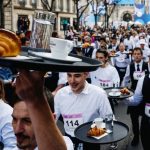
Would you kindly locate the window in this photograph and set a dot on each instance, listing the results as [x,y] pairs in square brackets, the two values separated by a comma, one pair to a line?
[22,2]
[23,23]
[34,3]
[60,5]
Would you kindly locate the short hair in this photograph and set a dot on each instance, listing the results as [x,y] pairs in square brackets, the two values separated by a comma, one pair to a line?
[137,49]
[23,40]
[48,94]
[55,34]
[105,53]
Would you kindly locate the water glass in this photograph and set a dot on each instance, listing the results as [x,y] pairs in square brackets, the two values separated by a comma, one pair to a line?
[109,122]
[42,28]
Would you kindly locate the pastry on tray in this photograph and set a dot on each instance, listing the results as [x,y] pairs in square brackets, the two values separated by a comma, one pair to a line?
[125,91]
[96,131]
[112,53]
[10,44]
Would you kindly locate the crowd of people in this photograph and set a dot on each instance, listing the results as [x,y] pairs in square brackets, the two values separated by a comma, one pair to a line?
[78,97]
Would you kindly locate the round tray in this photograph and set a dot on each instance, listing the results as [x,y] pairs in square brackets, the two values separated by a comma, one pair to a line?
[120,131]
[122,96]
[41,64]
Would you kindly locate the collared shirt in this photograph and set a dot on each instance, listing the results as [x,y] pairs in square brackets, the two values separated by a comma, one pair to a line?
[121,61]
[145,54]
[105,77]
[7,136]
[77,109]
[129,43]
[138,96]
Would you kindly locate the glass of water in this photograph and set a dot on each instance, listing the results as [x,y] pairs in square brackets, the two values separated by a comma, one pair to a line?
[42,28]
[109,123]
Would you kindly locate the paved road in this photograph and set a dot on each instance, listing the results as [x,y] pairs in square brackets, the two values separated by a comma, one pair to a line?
[121,115]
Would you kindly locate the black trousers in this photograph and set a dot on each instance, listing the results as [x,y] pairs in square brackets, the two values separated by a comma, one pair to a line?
[121,72]
[145,132]
[135,123]
[86,146]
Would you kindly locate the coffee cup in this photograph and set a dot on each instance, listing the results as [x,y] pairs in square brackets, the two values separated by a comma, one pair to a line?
[99,122]
[60,48]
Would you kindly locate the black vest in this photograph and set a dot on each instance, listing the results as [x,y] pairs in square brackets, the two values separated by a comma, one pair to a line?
[145,89]
[132,69]
[88,53]
[145,92]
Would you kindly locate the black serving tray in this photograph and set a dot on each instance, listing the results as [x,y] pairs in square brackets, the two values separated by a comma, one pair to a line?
[122,96]
[120,131]
[41,64]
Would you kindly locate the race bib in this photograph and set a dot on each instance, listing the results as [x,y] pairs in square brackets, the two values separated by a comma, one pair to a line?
[138,74]
[121,58]
[147,109]
[105,83]
[71,122]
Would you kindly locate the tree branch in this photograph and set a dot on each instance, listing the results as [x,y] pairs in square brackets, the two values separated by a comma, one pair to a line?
[47,5]
[5,5]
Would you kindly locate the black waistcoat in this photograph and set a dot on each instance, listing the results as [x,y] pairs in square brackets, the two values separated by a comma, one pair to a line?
[88,53]
[146,92]
[132,69]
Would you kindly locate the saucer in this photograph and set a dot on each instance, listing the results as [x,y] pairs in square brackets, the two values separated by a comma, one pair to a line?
[49,56]
[114,93]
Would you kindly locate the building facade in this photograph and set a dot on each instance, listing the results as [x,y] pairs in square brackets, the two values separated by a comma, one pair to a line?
[21,12]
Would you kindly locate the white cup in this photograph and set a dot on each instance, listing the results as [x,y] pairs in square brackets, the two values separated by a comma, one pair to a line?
[99,122]
[60,48]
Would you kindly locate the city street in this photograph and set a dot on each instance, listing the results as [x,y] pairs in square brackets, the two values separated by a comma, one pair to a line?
[121,115]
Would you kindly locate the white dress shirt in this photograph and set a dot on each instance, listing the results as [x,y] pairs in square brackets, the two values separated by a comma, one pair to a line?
[129,43]
[105,77]
[138,96]
[7,136]
[77,109]
[121,61]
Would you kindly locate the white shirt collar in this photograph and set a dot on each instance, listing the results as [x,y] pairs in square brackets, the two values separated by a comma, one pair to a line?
[141,62]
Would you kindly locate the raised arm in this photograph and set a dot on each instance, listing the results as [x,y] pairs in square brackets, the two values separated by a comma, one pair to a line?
[30,88]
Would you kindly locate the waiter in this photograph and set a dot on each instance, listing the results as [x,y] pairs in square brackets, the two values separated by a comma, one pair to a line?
[134,71]
[142,95]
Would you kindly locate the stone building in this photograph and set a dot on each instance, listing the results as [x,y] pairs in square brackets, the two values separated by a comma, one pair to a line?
[24,9]
[64,10]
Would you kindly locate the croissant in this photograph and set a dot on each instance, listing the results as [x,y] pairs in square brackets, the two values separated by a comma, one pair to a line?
[10,44]
[125,91]
[96,131]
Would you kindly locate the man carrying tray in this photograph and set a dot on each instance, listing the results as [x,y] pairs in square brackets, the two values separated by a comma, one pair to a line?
[78,103]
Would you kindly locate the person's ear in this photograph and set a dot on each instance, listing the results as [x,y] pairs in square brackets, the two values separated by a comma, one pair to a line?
[54,115]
